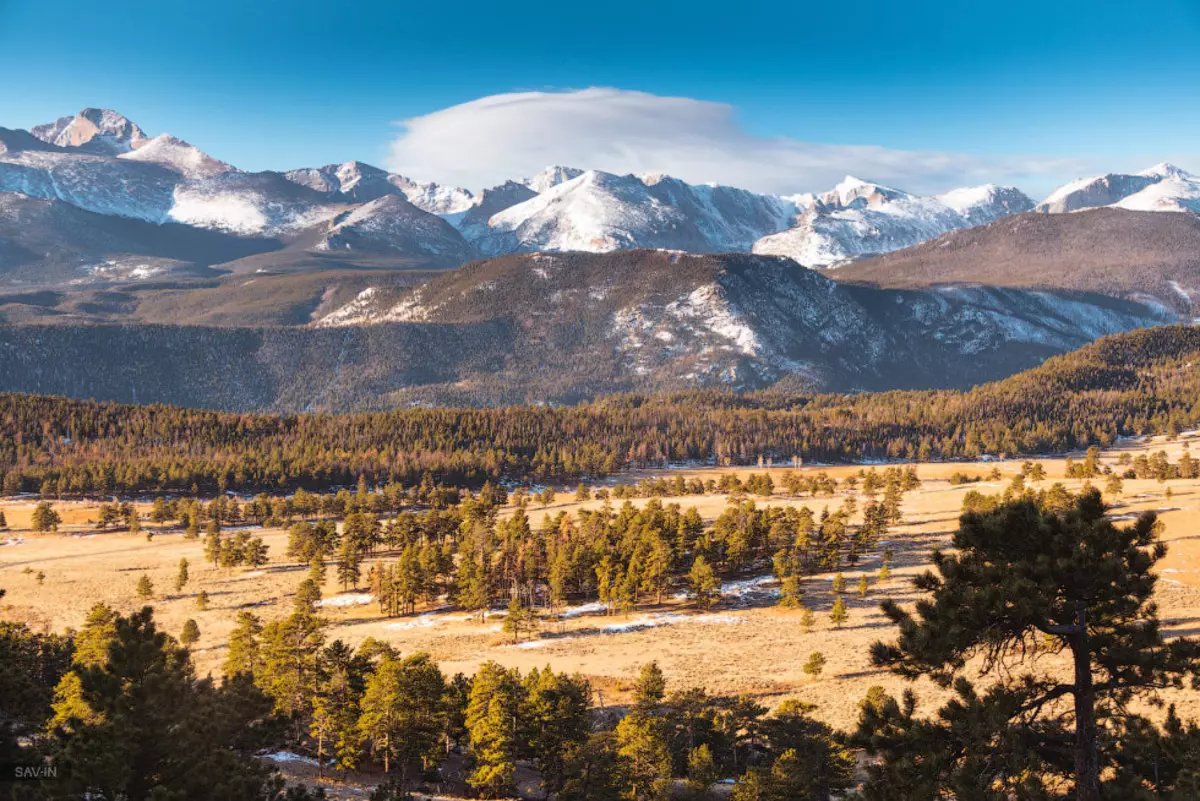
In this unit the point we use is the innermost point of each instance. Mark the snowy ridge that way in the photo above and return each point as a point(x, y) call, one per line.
point(599, 212)
point(177, 155)
point(1163, 187)
point(858, 218)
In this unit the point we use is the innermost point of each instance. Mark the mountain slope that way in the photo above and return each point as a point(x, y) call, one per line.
point(599, 212)
point(560, 328)
point(858, 219)
point(1163, 187)
point(1153, 258)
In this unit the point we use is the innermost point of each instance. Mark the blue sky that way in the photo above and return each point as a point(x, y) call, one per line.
point(1034, 91)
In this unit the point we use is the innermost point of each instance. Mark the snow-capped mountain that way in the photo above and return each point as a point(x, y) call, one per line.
point(858, 218)
point(101, 162)
point(354, 181)
point(178, 155)
point(93, 130)
point(551, 177)
point(1163, 187)
point(390, 224)
point(599, 212)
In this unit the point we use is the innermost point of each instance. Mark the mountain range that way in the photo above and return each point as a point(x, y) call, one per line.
point(100, 162)
point(139, 268)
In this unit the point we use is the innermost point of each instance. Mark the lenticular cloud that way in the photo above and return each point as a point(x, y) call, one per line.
point(486, 141)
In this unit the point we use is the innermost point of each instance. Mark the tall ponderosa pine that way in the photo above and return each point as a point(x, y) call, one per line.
point(402, 714)
point(493, 723)
point(1022, 576)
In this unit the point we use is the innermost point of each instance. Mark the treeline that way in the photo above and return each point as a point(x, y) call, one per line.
point(1128, 384)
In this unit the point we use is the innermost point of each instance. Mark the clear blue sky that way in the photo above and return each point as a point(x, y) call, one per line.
point(272, 85)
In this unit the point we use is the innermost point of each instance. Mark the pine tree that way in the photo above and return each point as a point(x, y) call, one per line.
point(350, 559)
point(147, 729)
point(644, 757)
point(839, 584)
point(190, 633)
point(402, 713)
point(703, 584)
point(701, 769)
point(3, 521)
point(807, 620)
point(815, 664)
point(308, 596)
point(838, 615)
point(493, 710)
point(518, 619)
point(242, 655)
point(44, 518)
point(145, 587)
point(650, 688)
point(557, 719)
point(290, 666)
point(202, 601)
point(181, 577)
point(997, 595)
point(863, 586)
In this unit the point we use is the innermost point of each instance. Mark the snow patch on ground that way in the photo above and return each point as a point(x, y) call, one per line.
point(350, 599)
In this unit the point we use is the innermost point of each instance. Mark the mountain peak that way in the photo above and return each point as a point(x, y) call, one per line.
point(1165, 170)
point(551, 177)
point(96, 130)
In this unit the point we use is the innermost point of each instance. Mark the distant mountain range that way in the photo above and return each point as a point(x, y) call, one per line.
point(139, 268)
point(567, 327)
point(356, 215)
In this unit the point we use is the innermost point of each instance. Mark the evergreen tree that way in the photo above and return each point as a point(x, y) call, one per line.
point(44, 518)
point(650, 688)
point(838, 615)
point(557, 719)
point(181, 577)
point(151, 731)
point(1022, 573)
point(290, 668)
point(703, 585)
point(202, 601)
point(145, 587)
point(644, 760)
point(402, 713)
point(518, 619)
point(190, 634)
point(242, 655)
point(349, 561)
point(493, 710)
point(815, 664)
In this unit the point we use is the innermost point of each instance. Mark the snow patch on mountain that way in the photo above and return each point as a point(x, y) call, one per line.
point(391, 224)
point(178, 155)
point(858, 218)
point(249, 204)
point(551, 177)
point(1163, 187)
point(599, 212)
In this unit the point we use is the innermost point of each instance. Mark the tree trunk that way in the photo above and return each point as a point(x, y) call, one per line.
point(1087, 757)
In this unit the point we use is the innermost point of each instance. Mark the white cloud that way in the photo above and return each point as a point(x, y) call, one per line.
point(485, 141)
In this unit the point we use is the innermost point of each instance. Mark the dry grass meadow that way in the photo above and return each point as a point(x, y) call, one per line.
point(744, 645)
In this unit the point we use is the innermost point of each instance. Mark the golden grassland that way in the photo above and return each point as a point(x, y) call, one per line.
point(745, 644)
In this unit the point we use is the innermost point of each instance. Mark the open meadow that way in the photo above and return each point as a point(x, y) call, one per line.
point(746, 643)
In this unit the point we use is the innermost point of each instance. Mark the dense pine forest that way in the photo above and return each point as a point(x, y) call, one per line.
point(1122, 385)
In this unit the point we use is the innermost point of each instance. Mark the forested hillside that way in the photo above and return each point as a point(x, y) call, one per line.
point(1122, 385)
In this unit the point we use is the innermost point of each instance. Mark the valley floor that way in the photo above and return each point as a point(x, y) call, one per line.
point(745, 644)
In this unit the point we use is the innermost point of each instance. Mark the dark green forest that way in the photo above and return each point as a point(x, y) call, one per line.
point(1130, 384)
